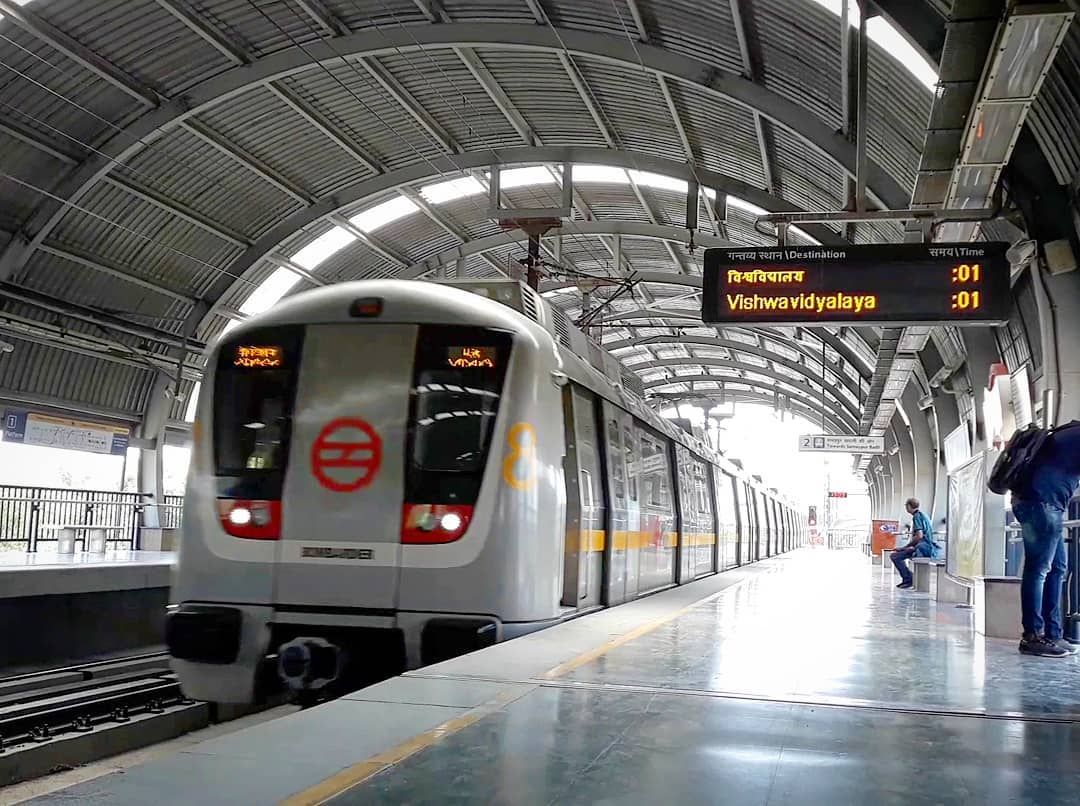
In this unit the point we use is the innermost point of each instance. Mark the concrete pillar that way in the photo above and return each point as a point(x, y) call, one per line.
point(909, 478)
point(1064, 294)
point(982, 351)
point(922, 442)
point(152, 438)
point(895, 478)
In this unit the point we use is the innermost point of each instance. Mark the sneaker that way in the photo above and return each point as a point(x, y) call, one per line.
point(1070, 649)
point(905, 586)
point(1038, 645)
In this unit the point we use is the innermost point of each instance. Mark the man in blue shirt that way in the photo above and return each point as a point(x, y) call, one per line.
point(921, 544)
point(1039, 503)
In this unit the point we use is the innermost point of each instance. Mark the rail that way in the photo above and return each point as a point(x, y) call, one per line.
point(27, 512)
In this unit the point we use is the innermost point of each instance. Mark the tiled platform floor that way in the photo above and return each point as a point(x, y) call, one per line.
point(811, 682)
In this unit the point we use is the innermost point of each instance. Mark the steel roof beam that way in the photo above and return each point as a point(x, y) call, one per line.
point(322, 17)
point(433, 10)
point(838, 403)
point(598, 229)
point(752, 72)
point(444, 222)
point(370, 42)
point(92, 316)
point(113, 270)
point(639, 21)
point(731, 345)
point(754, 397)
point(586, 98)
point(27, 136)
point(762, 385)
point(76, 51)
point(324, 127)
point(373, 242)
point(173, 207)
point(498, 96)
point(216, 39)
point(396, 90)
point(283, 262)
point(62, 338)
point(241, 157)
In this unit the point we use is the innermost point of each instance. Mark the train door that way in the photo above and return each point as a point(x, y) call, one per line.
point(659, 528)
point(770, 518)
point(727, 521)
point(585, 509)
point(688, 516)
point(707, 545)
point(699, 534)
point(618, 513)
point(762, 523)
point(632, 453)
point(749, 521)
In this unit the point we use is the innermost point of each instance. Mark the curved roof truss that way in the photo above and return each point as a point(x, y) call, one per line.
point(761, 391)
point(838, 403)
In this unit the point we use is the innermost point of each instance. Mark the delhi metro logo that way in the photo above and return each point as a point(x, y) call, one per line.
point(346, 455)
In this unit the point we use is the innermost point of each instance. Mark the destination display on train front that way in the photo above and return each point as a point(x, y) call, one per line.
point(887, 284)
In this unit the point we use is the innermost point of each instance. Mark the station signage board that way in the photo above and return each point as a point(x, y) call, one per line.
point(841, 443)
point(884, 284)
point(45, 430)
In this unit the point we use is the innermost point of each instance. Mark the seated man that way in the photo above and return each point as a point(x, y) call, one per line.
point(921, 544)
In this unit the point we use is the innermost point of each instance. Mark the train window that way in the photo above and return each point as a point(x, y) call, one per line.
point(701, 482)
point(701, 489)
point(254, 392)
point(632, 464)
point(654, 473)
point(618, 472)
point(453, 411)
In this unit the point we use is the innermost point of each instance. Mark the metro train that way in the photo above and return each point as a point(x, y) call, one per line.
point(386, 474)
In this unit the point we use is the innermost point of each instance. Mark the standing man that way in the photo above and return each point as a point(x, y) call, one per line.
point(1039, 503)
point(921, 544)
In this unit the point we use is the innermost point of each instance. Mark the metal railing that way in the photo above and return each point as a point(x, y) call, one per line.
point(29, 515)
point(846, 538)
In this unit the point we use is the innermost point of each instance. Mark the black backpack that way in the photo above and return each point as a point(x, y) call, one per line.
point(1011, 467)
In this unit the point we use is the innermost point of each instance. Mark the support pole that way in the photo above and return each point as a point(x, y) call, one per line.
point(861, 112)
point(532, 276)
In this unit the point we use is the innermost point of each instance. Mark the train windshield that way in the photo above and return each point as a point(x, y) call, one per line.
point(458, 380)
point(254, 390)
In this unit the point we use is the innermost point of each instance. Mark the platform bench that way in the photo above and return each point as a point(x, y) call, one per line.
point(925, 569)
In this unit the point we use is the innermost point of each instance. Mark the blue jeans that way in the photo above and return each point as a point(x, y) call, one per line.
point(1045, 566)
point(901, 556)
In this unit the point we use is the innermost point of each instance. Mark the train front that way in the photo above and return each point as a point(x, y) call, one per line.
point(324, 454)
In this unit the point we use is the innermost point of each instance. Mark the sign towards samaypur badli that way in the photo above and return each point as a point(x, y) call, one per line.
point(841, 443)
point(884, 284)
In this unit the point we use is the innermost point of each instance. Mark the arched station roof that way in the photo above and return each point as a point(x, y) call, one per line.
point(171, 166)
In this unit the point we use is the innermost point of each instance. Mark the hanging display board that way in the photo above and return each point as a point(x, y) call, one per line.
point(884, 284)
point(45, 430)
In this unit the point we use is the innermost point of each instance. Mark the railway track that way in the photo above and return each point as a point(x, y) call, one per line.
point(65, 717)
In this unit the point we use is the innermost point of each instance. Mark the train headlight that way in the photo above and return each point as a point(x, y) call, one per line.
point(252, 520)
point(241, 516)
point(434, 523)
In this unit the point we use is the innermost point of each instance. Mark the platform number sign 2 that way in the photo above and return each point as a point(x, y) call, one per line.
point(519, 466)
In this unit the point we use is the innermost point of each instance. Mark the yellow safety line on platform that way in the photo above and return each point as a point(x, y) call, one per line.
point(358, 773)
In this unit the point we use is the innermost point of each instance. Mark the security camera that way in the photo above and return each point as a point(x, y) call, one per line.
point(6, 347)
point(1020, 253)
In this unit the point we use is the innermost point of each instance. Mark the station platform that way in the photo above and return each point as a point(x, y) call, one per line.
point(97, 604)
point(802, 679)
